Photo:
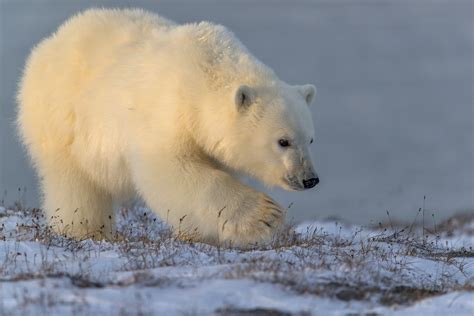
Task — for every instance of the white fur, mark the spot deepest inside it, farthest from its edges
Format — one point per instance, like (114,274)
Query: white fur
(119,102)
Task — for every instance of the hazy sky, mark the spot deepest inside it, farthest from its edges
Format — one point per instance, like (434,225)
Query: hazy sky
(394,110)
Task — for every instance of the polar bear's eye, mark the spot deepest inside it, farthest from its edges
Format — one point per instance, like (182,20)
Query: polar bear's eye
(283,142)
(311,141)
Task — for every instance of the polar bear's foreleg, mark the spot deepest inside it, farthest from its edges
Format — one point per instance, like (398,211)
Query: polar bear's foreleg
(198,198)
(76,207)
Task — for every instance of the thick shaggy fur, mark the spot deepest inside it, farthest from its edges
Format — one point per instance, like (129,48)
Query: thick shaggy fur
(125,102)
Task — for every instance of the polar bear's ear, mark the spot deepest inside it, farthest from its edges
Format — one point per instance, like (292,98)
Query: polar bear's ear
(308,91)
(243,97)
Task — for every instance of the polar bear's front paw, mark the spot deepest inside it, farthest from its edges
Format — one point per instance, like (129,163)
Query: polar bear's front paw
(269,214)
(255,223)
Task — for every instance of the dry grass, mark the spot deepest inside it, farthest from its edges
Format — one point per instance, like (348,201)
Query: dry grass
(373,265)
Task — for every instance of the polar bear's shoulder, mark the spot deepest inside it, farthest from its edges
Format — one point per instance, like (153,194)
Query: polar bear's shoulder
(116,20)
(217,39)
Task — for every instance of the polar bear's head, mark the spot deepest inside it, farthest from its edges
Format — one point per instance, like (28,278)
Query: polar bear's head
(251,121)
(274,130)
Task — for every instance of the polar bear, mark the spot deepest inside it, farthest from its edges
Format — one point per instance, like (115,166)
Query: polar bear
(119,103)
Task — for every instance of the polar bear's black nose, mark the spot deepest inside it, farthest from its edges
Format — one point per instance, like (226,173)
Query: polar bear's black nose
(310,183)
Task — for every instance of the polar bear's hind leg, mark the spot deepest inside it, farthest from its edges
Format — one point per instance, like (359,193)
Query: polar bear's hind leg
(75,207)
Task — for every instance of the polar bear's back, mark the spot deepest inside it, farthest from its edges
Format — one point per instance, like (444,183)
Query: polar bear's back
(64,65)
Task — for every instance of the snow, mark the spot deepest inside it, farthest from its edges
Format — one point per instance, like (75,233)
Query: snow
(456,303)
(316,268)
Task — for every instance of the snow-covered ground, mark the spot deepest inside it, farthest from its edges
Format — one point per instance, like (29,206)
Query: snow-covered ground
(321,268)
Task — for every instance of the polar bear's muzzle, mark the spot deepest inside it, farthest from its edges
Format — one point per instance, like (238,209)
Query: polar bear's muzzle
(300,174)
(310,183)
(307,180)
